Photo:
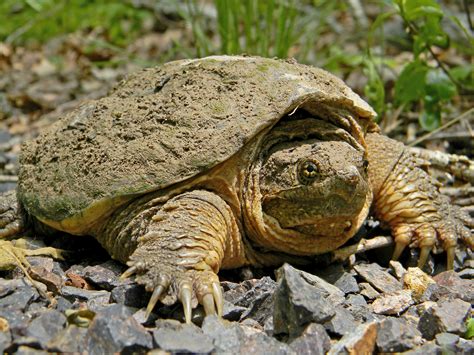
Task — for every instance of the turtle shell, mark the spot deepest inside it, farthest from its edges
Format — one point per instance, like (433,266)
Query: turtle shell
(166,124)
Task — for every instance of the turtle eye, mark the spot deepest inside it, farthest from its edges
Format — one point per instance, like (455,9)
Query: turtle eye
(307,172)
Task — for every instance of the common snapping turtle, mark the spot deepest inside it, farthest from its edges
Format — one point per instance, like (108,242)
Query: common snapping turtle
(220,162)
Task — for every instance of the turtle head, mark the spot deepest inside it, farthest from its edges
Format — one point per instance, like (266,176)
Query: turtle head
(314,194)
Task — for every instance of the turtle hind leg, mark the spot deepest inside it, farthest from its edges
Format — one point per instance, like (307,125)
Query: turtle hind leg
(12,219)
(183,248)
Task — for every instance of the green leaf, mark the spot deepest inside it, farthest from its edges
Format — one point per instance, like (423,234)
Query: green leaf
(415,9)
(410,85)
(430,118)
(439,86)
(470,329)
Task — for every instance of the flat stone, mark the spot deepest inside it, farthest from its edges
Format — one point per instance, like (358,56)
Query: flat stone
(393,303)
(358,300)
(73,293)
(186,338)
(45,275)
(313,340)
(445,316)
(428,348)
(5,340)
(360,341)
(17,320)
(105,276)
(8,286)
(347,283)
(260,343)
(342,323)
(115,330)
(447,342)
(226,336)
(46,326)
(68,340)
(465,346)
(20,299)
(299,303)
(396,335)
(132,295)
(454,286)
(363,314)
(368,291)
(378,277)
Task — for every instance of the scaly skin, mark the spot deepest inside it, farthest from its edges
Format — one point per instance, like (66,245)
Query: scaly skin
(408,200)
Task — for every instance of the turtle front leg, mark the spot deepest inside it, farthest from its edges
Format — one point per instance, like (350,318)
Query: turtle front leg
(408,200)
(186,243)
(11,219)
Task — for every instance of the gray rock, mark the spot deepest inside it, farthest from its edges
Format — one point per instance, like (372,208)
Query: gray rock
(105,276)
(8,286)
(347,283)
(313,340)
(46,326)
(363,314)
(62,304)
(342,323)
(428,348)
(20,299)
(299,303)
(227,336)
(260,309)
(69,340)
(452,286)
(397,269)
(17,321)
(132,295)
(445,316)
(467,273)
(368,291)
(115,330)
(182,338)
(261,343)
(73,293)
(245,293)
(465,346)
(393,303)
(447,342)
(232,312)
(378,277)
(360,341)
(5,340)
(357,300)
(396,335)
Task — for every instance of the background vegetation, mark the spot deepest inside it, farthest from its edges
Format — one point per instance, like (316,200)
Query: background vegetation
(408,58)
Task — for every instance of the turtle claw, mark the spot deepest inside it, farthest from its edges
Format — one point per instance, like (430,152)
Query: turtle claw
(399,247)
(450,258)
(135,268)
(218,298)
(157,292)
(186,299)
(208,303)
(424,254)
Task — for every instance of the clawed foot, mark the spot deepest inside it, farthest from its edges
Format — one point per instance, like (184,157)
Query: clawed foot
(444,233)
(168,283)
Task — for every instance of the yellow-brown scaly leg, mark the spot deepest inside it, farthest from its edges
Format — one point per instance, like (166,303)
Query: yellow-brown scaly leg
(408,200)
(184,247)
(11,221)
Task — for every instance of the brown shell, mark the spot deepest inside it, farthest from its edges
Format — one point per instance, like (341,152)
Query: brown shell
(167,124)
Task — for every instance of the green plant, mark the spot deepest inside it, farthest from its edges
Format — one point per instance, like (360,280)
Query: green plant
(40,20)
(264,28)
(426,80)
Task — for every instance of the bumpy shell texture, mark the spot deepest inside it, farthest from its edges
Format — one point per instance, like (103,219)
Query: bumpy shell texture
(167,124)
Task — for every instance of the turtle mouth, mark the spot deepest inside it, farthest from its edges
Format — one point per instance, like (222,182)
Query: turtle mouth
(324,227)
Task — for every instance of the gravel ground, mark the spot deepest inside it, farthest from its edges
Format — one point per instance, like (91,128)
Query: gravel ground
(81,305)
